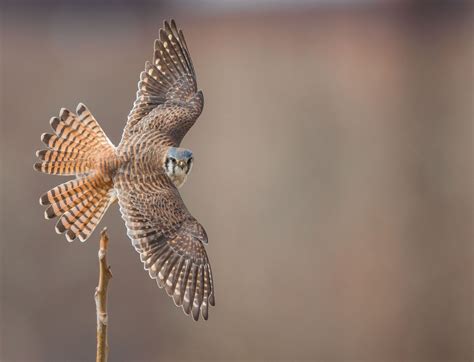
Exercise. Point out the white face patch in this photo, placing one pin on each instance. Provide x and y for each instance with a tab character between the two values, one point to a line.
170	164
179	176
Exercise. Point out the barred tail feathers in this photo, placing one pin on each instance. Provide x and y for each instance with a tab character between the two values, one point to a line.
74	145
77	147
79	205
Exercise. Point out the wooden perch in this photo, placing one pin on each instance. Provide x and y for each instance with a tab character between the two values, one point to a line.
100	297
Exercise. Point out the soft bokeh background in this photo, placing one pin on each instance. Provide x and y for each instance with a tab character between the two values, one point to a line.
334	176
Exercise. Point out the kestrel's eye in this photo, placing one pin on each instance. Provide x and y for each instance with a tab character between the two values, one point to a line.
190	161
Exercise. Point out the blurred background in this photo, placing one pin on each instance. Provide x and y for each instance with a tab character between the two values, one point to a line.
333	174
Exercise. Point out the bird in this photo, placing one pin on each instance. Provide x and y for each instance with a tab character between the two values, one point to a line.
142	173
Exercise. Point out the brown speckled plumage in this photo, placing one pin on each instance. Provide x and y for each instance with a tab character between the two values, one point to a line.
169	239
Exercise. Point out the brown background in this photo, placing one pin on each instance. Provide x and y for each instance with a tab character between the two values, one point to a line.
333	174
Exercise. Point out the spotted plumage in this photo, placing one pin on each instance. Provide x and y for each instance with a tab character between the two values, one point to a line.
143	173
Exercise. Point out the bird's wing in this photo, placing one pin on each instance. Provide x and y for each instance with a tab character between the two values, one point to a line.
169	239
168	100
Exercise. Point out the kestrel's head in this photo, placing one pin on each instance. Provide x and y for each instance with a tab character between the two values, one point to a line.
178	164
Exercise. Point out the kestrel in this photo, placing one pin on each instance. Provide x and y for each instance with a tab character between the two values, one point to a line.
143	173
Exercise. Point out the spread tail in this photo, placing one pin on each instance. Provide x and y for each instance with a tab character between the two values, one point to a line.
77	147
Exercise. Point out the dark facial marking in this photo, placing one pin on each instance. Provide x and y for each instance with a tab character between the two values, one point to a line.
172	161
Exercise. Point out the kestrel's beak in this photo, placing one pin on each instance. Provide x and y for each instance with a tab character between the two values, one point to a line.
182	164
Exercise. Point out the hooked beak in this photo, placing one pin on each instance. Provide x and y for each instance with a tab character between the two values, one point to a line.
182	164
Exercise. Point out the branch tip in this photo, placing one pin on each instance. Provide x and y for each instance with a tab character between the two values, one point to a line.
104	240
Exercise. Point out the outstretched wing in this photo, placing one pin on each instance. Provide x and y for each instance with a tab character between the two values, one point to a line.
168	238
168	100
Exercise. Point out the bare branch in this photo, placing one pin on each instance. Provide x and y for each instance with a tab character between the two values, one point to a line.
100	297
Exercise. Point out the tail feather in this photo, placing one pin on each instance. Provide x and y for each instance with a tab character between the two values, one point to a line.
73	187
95	216
68	203
85	219
90	123
77	146
65	168
51	155
74	145
69	128
69	216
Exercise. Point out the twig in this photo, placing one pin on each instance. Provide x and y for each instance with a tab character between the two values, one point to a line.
100	297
